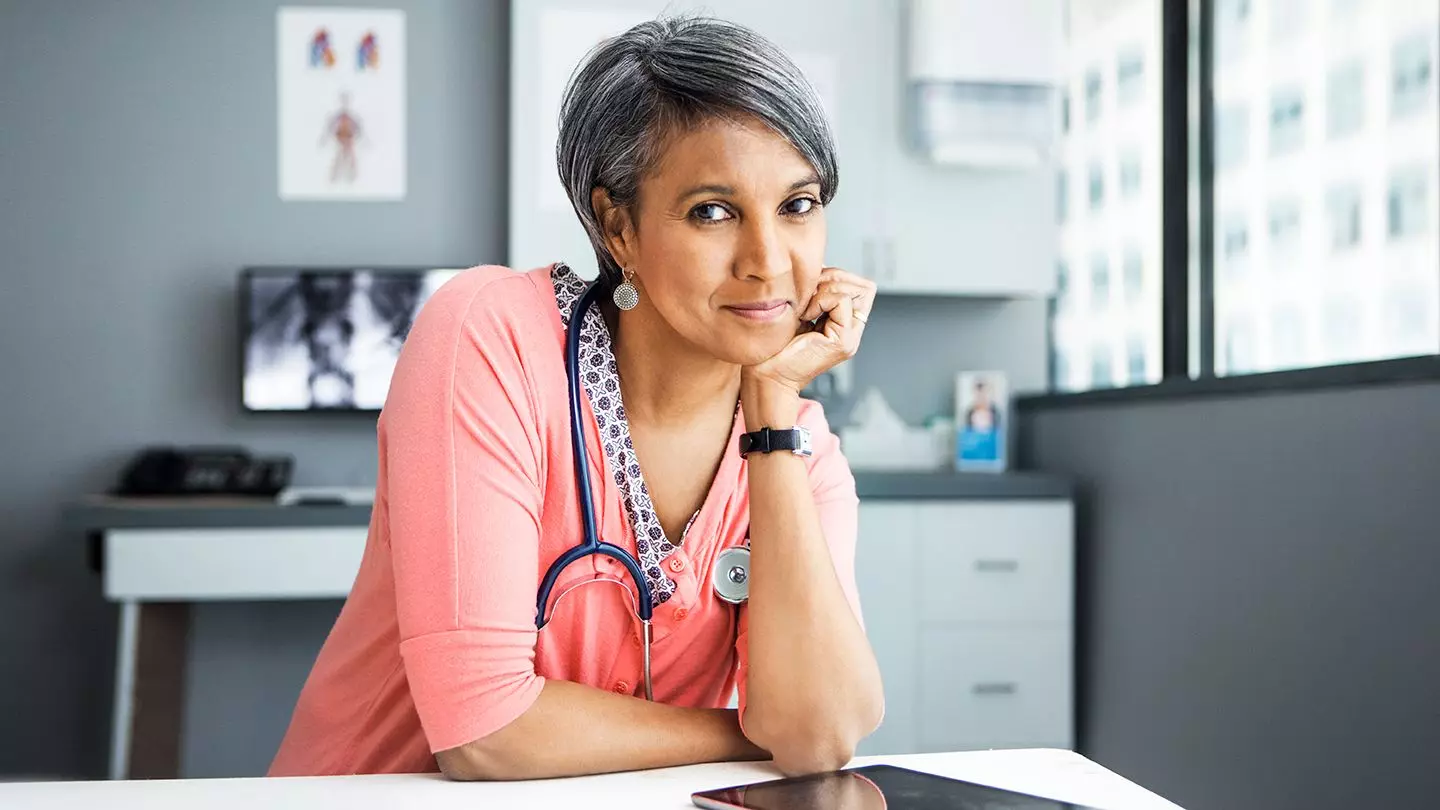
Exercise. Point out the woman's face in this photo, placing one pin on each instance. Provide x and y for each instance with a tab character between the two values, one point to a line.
727	240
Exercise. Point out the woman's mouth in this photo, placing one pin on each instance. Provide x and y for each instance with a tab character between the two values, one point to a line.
761	311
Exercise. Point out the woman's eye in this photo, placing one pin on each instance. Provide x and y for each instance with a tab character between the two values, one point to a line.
800	206
710	212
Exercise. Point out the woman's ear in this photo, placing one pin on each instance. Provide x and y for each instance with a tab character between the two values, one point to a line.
616	227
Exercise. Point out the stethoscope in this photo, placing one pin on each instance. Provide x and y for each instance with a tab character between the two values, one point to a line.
731	573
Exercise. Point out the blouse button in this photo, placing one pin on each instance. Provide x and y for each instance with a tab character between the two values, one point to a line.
622	688
681	614
677	565
636	641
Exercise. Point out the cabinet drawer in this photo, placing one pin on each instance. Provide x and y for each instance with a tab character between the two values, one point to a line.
994	687
996	562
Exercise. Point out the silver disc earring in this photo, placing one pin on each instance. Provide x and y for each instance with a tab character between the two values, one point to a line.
625	295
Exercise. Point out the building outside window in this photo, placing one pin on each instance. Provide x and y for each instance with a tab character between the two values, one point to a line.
1346	217
1407	205
1345	94
1287	121
1130	76
1413	71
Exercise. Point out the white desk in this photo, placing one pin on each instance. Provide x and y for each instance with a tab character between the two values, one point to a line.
1052	773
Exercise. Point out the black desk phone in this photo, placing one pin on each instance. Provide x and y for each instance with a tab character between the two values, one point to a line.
204	471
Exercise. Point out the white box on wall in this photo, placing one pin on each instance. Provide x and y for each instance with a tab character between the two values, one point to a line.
982	81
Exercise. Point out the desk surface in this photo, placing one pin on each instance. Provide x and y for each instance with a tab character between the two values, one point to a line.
97	513
1061	775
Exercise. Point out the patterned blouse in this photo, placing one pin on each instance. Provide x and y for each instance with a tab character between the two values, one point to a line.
602	385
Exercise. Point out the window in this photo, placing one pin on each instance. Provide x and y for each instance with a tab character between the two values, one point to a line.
1130	76
1062	197
1059	371
1109	242
1232	136
1346	217
1234	253
1287	337
1345	113
1099	281
1065	113
1135	360
1062	285
1409	321
1097	186
1130	173
1407	207
1092	96
1134	272
1102	369
1319	205
1287	120
1239	341
1413	74
1284	228
1343	262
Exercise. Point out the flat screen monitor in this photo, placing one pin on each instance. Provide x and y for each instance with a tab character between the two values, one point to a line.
326	339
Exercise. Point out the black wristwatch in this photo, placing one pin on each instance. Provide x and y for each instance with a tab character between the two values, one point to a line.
768	440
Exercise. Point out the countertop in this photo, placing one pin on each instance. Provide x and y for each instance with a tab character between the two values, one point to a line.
107	512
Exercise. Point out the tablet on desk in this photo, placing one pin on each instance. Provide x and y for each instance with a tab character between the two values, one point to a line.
874	787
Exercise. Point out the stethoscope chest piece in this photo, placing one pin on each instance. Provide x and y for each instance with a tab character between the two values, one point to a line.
731	575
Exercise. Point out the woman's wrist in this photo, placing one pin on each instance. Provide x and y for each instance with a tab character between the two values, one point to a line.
767	403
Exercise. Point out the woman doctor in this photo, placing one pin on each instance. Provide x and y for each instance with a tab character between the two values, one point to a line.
700	163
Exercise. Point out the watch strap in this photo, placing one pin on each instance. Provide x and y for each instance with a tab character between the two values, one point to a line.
768	440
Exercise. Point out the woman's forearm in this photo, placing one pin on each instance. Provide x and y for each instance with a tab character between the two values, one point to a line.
573	730
813	687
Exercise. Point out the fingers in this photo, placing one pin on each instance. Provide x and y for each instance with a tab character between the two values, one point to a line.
846	301
836	286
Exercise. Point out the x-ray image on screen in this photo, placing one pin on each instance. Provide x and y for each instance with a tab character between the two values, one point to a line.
328	339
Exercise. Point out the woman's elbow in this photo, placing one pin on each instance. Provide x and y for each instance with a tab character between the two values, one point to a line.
803	756
477	762
801	748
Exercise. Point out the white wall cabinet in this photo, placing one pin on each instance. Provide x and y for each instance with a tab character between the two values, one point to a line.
969	608
910	225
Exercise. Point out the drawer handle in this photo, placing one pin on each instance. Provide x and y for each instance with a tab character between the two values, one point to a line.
996	688
997	566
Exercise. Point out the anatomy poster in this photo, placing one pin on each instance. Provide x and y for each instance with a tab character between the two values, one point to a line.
341	88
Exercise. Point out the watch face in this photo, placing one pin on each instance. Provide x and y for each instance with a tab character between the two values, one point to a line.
804	448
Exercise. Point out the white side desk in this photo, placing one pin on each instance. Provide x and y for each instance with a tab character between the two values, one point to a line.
159	556
1054	774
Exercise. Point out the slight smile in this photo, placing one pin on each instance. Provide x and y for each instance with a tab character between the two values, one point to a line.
760	311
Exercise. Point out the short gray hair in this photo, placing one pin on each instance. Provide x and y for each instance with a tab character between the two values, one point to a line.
666	75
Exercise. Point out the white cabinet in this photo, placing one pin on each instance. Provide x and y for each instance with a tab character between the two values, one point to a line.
912	226
969	608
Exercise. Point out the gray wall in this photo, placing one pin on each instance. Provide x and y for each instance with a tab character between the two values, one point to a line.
915	346
1257	593
138	169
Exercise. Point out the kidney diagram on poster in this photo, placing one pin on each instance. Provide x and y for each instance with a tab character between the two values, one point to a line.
341	88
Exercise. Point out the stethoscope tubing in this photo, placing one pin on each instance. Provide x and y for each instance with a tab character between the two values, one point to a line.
591	544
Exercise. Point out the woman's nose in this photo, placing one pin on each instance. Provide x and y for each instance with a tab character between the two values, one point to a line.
762	252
